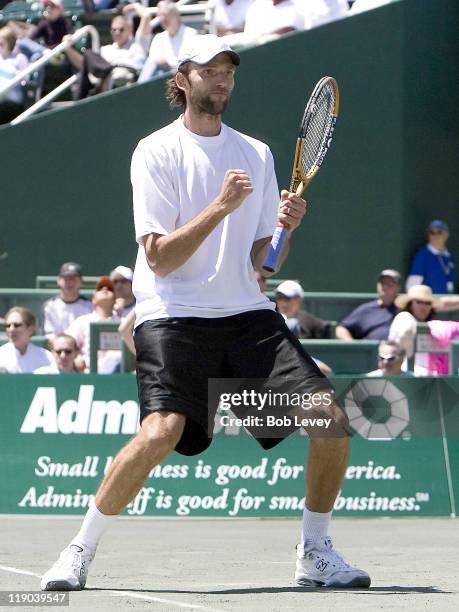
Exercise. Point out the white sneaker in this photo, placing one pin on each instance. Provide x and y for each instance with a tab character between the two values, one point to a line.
70	571
325	566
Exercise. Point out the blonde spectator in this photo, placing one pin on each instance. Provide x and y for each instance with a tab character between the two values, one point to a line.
11	63
19	355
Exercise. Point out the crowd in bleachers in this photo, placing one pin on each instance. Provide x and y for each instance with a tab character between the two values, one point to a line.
140	46
391	319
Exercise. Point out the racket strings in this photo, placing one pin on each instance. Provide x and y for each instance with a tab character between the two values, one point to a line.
317	124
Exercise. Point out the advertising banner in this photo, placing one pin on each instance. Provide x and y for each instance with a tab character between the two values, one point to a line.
59	435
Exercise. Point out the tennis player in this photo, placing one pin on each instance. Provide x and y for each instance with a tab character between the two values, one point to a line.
206	203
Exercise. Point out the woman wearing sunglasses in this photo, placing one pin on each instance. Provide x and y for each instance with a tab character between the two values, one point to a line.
19	355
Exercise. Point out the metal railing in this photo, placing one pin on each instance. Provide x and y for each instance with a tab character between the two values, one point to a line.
184	8
45	59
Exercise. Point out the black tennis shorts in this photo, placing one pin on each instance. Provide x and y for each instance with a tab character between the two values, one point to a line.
176	357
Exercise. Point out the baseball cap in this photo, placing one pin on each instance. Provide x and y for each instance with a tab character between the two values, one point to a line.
70	268
123	271
53	3
396	276
438	225
203	48
104	281
290	289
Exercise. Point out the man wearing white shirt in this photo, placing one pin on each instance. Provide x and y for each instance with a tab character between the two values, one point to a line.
229	16
19	355
273	18
166	46
319	12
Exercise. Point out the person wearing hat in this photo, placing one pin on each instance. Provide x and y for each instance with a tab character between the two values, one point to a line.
371	320
206	203
59	312
53	27
121	277
103	300
433	265
289	301
418	305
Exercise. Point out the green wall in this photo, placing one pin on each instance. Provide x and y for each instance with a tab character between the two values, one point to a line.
65	191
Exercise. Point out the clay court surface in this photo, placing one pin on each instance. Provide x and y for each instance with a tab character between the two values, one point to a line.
238	565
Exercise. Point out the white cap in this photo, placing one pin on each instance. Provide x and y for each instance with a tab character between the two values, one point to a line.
203	48
290	289
123	271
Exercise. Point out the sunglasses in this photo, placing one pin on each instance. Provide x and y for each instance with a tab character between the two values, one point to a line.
436	232
117	29
15	325
389	359
422	303
66	351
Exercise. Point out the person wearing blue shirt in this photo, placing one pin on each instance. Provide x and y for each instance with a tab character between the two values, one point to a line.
372	320
433	265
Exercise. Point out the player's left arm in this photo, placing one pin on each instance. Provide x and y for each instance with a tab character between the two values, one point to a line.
292	209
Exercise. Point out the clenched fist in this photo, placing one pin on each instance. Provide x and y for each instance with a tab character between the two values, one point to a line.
235	188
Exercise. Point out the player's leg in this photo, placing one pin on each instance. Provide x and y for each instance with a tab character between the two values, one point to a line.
159	434
318	563
266	349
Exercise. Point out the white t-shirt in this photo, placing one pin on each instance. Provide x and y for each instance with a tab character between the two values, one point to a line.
175	175
230	16
318	12
57	314
263	17
168	48
14	362
132	54
49	369
107	361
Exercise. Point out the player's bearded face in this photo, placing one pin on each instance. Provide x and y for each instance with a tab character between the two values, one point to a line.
211	103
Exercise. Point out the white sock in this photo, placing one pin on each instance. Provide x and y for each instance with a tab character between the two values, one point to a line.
94	526
315	527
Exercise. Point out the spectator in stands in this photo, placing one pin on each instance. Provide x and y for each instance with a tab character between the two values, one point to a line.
166	46
60	311
229	16
289	301
359	6
433	265
118	63
371	321
268	19
104	300
19	355
65	351
318	12
121	278
53	27
11	63
419	306
390	360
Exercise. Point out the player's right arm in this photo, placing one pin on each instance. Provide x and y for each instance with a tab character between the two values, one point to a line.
166	253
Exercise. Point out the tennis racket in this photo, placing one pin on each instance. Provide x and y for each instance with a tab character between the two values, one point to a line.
313	142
